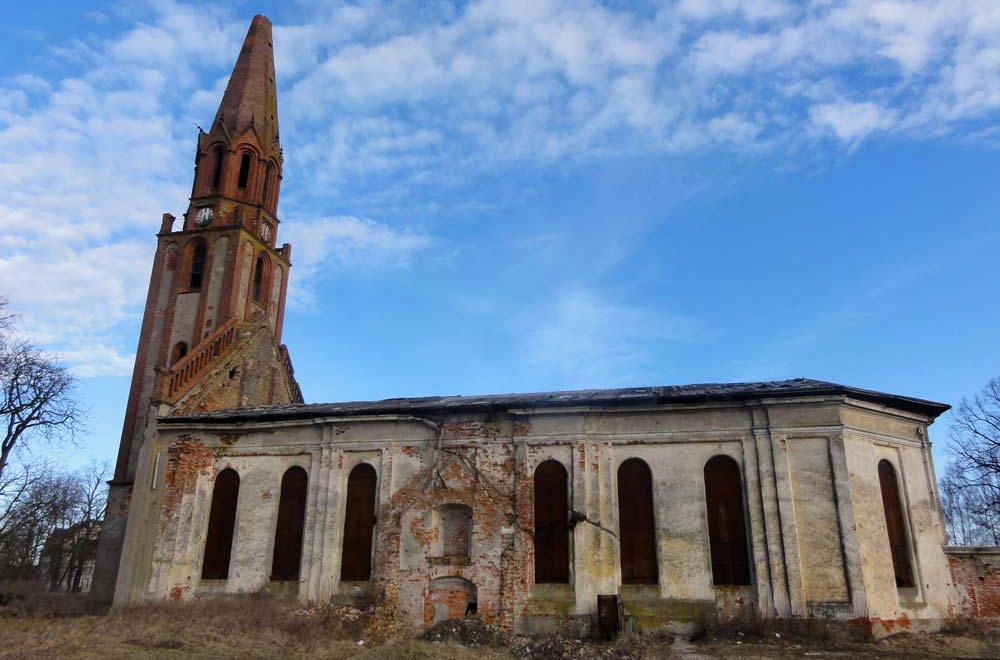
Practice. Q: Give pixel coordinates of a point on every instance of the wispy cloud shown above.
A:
(388, 106)
(346, 243)
(581, 336)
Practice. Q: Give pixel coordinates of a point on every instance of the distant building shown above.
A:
(668, 505)
(68, 557)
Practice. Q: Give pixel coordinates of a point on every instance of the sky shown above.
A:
(527, 195)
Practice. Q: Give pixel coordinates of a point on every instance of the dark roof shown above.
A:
(703, 393)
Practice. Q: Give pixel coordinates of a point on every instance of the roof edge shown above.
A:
(624, 397)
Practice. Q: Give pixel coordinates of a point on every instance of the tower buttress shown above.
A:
(220, 271)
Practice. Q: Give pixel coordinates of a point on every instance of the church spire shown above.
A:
(251, 99)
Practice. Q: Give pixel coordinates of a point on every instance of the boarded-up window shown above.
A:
(455, 530)
(892, 506)
(637, 530)
(551, 523)
(726, 527)
(221, 523)
(291, 522)
(197, 269)
(259, 278)
(220, 155)
(359, 523)
(244, 171)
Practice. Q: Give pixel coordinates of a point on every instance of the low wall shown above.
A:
(975, 572)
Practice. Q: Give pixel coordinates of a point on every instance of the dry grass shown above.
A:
(261, 627)
(246, 629)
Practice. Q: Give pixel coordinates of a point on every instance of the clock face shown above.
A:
(204, 217)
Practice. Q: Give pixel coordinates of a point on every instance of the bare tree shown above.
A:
(37, 399)
(971, 485)
(969, 522)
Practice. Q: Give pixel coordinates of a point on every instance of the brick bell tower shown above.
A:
(218, 282)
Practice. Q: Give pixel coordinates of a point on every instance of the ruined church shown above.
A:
(556, 511)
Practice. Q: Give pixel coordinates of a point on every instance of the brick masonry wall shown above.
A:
(976, 575)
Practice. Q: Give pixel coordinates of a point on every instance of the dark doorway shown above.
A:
(359, 523)
(892, 506)
(291, 524)
(637, 527)
(726, 527)
(551, 524)
(221, 524)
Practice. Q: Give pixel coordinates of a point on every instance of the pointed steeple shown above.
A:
(251, 98)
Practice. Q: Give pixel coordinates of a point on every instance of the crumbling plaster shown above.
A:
(812, 504)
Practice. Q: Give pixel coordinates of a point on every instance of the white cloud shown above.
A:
(584, 336)
(851, 121)
(346, 243)
(395, 105)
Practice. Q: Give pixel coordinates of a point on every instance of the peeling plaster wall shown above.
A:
(815, 526)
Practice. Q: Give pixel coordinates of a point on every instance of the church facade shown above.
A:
(566, 511)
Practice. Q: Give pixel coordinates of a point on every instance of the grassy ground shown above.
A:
(262, 628)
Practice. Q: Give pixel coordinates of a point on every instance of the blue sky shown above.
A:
(520, 196)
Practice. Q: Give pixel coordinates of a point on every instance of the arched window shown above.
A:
(727, 532)
(637, 531)
(221, 524)
(245, 162)
(551, 523)
(180, 350)
(359, 523)
(220, 155)
(197, 269)
(892, 506)
(265, 195)
(291, 523)
(259, 279)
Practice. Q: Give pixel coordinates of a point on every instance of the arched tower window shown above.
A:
(197, 268)
(726, 527)
(637, 531)
(259, 279)
(245, 163)
(551, 523)
(265, 196)
(359, 524)
(180, 350)
(220, 155)
(892, 506)
(221, 524)
(291, 523)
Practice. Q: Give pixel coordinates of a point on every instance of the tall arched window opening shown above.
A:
(551, 523)
(637, 530)
(291, 524)
(197, 270)
(244, 171)
(220, 155)
(180, 350)
(359, 524)
(892, 506)
(265, 197)
(221, 524)
(259, 278)
(727, 532)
